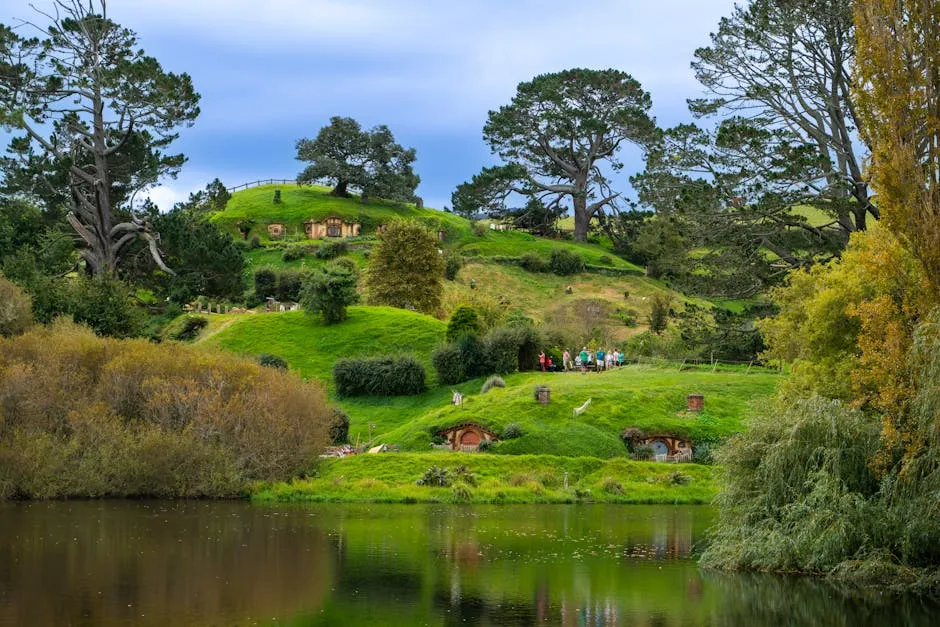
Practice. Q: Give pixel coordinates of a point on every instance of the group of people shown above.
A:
(597, 361)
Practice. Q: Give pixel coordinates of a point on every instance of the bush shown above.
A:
(129, 418)
(473, 355)
(448, 364)
(330, 291)
(331, 250)
(272, 361)
(643, 452)
(294, 253)
(106, 305)
(16, 312)
(492, 382)
(611, 486)
(190, 328)
(379, 376)
(265, 283)
(512, 431)
(628, 317)
(564, 262)
(533, 262)
(605, 260)
(289, 285)
(452, 264)
(479, 229)
(660, 304)
(435, 476)
(255, 243)
(463, 321)
(501, 347)
(485, 445)
(339, 427)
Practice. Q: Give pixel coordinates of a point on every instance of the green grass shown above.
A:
(300, 204)
(312, 347)
(391, 477)
(517, 243)
(649, 398)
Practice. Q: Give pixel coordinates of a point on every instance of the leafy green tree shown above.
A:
(106, 305)
(369, 161)
(210, 200)
(96, 115)
(558, 136)
(405, 268)
(330, 290)
(463, 321)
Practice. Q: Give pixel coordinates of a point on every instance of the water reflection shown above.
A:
(238, 564)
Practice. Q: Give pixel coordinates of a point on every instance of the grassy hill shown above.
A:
(312, 347)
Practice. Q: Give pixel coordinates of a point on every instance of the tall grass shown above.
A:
(86, 416)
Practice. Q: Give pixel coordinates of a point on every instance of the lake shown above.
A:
(234, 563)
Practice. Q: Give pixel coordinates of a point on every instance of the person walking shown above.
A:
(566, 360)
(584, 359)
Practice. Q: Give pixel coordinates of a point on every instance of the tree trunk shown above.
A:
(581, 219)
(340, 189)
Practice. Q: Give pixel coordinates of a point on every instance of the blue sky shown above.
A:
(273, 72)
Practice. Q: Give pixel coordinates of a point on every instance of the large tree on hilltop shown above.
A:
(779, 75)
(349, 157)
(556, 137)
(96, 114)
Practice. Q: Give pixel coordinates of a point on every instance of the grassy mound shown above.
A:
(651, 399)
(391, 478)
(312, 347)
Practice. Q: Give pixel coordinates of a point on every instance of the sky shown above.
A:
(273, 72)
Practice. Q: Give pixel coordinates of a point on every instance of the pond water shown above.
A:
(224, 563)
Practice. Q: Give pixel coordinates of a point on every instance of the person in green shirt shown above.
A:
(584, 359)
(600, 359)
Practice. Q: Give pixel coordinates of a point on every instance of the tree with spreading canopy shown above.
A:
(371, 161)
(96, 115)
(559, 138)
(779, 77)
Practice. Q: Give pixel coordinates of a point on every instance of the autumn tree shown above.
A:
(405, 268)
(560, 137)
(370, 161)
(96, 115)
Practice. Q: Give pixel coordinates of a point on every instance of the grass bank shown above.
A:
(391, 477)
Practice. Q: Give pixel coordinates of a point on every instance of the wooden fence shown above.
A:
(263, 182)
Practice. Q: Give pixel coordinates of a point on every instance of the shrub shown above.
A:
(473, 355)
(379, 376)
(660, 304)
(448, 364)
(16, 313)
(564, 262)
(272, 361)
(605, 260)
(463, 321)
(289, 285)
(464, 474)
(339, 427)
(611, 486)
(106, 305)
(628, 317)
(435, 476)
(501, 347)
(485, 445)
(294, 253)
(643, 452)
(452, 264)
(124, 418)
(461, 493)
(492, 382)
(255, 243)
(479, 229)
(265, 283)
(677, 477)
(331, 250)
(329, 291)
(190, 328)
(533, 262)
(512, 431)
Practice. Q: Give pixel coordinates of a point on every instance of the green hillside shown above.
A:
(312, 347)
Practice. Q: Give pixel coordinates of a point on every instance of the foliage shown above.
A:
(294, 253)
(289, 286)
(660, 305)
(405, 268)
(96, 114)
(265, 283)
(339, 427)
(369, 161)
(331, 250)
(463, 321)
(379, 376)
(16, 313)
(435, 476)
(512, 431)
(449, 364)
(120, 418)
(533, 262)
(210, 200)
(190, 328)
(272, 361)
(898, 52)
(557, 137)
(564, 262)
(492, 382)
(452, 264)
(722, 334)
(329, 291)
(105, 304)
(485, 446)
